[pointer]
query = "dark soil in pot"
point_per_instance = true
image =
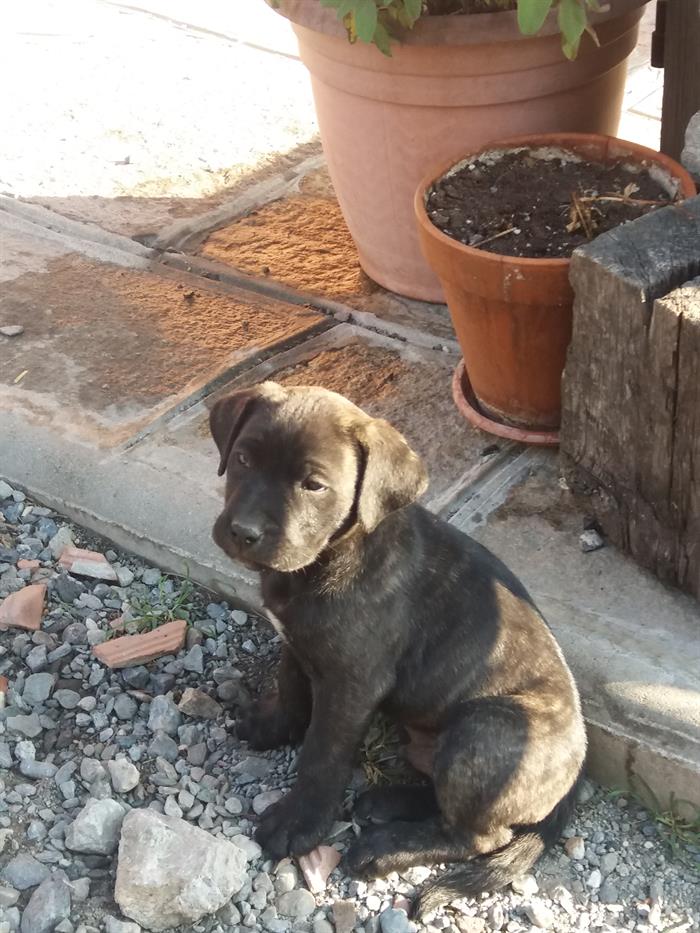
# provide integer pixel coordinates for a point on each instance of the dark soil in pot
(542, 202)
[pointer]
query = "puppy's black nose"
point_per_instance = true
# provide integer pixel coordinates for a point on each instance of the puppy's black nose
(247, 534)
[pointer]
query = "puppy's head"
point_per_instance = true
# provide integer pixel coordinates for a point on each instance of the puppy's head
(303, 466)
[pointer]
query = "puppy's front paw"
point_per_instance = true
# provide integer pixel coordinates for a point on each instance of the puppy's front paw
(293, 826)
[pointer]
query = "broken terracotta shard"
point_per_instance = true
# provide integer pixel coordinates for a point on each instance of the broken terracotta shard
(130, 650)
(317, 866)
(24, 608)
(86, 564)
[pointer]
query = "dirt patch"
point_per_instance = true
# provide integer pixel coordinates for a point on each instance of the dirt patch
(360, 373)
(106, 337)
(542, 495)
(302, 241)
(414, 396)
(539, 203)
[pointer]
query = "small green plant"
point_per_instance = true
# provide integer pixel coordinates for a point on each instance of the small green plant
(680, 831)
(148, 613)
(378, 21)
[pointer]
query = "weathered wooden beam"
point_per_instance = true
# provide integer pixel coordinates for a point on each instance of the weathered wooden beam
(681, 72)
(630, 435)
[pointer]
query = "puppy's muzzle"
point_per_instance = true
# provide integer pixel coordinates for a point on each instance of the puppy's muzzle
(246, 535)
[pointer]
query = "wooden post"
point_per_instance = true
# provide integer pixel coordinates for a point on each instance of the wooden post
(681, 72)
(630, 436)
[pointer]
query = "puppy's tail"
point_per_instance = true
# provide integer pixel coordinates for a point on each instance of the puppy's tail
(497, 869)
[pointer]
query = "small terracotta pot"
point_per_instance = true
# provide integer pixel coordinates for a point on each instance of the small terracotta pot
(453, 83)
(513, 316)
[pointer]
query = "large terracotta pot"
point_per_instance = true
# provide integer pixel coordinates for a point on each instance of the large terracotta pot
(453, 84)
(513, 316)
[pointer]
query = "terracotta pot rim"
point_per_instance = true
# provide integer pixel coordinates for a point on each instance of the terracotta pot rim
(463, 396)
(449, 29)
(564, 140)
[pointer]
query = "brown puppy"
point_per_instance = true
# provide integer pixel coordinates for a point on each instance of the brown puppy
(383, 606)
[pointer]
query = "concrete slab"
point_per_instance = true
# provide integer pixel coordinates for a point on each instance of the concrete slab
(632, 643)
(154, 108)
(106, 349)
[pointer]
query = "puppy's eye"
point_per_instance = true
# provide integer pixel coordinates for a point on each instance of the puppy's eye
(243, 459)
(312, 485)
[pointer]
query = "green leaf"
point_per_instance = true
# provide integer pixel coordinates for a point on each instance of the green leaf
(532, 14)
(365, 19)
(413, 8)
(572, 22)
(382, 40)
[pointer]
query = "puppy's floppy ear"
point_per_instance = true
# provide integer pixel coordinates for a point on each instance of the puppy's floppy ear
(391, 475)
(229, 414)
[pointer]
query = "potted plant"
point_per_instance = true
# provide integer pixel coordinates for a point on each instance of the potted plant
(498, 229)
(388, 109)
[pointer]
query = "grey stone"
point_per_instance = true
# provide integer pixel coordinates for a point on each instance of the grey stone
(38, 687)
(135, 677)
(321, 925)
(608, 893)
(392, 920)
(75, 634)
(96, 828)
(8, 895)
(80, 889)
(249, 847)
(164, 716)
(297, 904)
(37, 658)
(68, 699)
(5, 490)
(690, 157)
(48, 905)
(151, 577)
(171, 873)
(125, 707)
(253, 767)
(36, 770)
(123, 774)
(68, 589)
(24, 871)
(112, 925)
(62, 539)
(286, 878)
(194, 660)
(608, 862)
(590, 540)
(539, 915)
(11, 330)
(594, 880)
(525, 885)
(36, 831)
(198, 704)
(162, 746)
(5, 756)
(264, 800)
(25, 725)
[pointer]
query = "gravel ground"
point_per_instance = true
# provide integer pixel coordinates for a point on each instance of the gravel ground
(83, 745)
